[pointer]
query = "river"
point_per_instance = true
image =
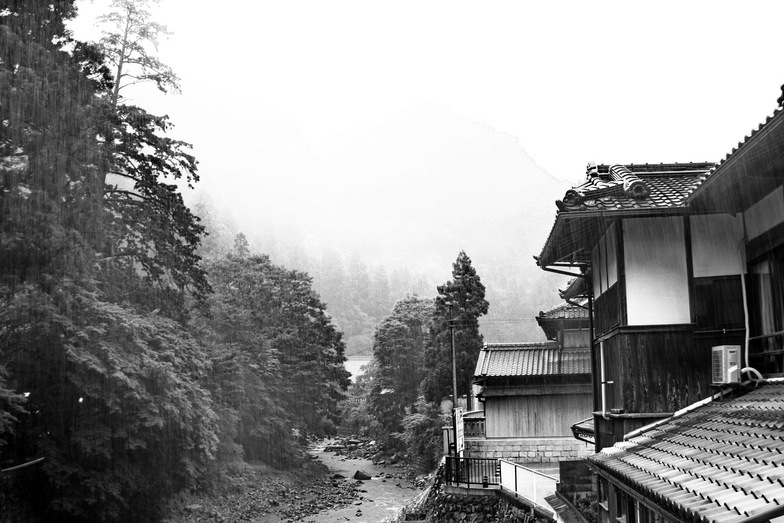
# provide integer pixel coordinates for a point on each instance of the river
(353, 365)
(380, 498)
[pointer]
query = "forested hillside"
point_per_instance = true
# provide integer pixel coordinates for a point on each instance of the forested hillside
(130, 370)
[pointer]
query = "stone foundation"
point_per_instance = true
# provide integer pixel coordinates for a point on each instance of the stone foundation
(529, 450)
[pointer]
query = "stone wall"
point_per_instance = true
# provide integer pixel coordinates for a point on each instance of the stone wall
(529, 450)
(454, 508)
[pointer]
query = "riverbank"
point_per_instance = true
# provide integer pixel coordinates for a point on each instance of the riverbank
(322, 490)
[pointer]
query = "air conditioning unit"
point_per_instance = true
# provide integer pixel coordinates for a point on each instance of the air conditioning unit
(726, 364)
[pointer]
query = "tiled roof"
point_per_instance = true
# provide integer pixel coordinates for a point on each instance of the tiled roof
(613, 188)
(609, 192)
(564, 311)
(719, 462)
(585, 430)
(763, 131)
(531, 359)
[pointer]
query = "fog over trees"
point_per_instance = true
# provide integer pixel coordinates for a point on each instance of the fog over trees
(385, 211)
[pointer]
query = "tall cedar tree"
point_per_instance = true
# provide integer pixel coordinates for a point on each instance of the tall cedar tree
(460, 303)
(87, 279)
(399, 354)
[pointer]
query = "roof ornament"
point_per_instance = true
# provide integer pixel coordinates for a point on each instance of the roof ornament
(633, 186)
(591, 170)
(781, 98)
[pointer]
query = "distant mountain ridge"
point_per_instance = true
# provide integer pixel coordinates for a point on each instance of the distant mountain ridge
(409, 194)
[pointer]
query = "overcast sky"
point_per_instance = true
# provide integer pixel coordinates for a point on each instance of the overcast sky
(572, 81)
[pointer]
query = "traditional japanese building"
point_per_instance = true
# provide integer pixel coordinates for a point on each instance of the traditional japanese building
(684, 272)
(532, 393)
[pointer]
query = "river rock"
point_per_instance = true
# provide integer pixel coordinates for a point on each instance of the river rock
(362, 475)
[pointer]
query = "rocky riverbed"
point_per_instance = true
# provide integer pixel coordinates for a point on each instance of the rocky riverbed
(323, 490)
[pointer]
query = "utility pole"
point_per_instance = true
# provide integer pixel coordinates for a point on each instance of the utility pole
(450, 289)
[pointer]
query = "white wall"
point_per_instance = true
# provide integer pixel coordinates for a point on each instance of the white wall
(765, 214)
(715, 241)
(657, 284)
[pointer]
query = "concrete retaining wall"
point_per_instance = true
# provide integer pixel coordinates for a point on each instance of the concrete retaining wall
(529, 450)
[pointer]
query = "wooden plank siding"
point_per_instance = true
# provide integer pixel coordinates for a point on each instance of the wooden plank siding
(607, 310)
(655, 370)
(534, 416)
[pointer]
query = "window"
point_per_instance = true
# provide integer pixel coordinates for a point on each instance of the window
(718, 302)
(767, 315)
(603, 507)
(604, 262)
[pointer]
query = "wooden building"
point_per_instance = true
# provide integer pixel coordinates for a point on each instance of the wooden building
(532, 393)
(654, 273)
(714, 462)
(680, 258)
(532, 389)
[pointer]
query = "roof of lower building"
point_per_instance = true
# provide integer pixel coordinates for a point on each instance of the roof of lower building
(722, 461)
(531, 359)
(565, 311)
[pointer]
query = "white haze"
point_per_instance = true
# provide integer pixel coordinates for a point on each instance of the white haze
(400, 132)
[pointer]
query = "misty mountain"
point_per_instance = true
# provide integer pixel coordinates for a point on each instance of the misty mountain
(403, 197)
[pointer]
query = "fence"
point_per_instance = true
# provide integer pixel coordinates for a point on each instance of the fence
(527, 483)
(516, 480)
(479, 472)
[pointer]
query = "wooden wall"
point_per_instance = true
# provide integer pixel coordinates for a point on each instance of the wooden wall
(656, 370)
(534, 416)
(607, 310)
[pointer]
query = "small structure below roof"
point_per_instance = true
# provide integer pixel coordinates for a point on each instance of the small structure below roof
(566, 317)
(584, 430)
(532, 393)
(721, 461)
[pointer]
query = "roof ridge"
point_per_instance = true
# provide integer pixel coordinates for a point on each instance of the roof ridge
(520, 345)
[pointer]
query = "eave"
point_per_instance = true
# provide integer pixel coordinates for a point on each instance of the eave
(575, 233)
(751, 171)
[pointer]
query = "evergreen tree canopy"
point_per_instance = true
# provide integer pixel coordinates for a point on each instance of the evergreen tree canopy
(277, 359)
(459, 304)
(399, 353)
(93, 284)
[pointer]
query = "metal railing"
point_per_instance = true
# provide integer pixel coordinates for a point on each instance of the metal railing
(517, 480)
(466, 472)
(527, 483)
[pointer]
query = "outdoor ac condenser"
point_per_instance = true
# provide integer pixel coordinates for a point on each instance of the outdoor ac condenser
(726, 364)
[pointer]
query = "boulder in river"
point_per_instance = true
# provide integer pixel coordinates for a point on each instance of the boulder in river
(362, 475)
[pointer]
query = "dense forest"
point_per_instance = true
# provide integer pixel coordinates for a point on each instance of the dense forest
(403, 399)
(146, 342)
(130, 367)
(359, 295)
